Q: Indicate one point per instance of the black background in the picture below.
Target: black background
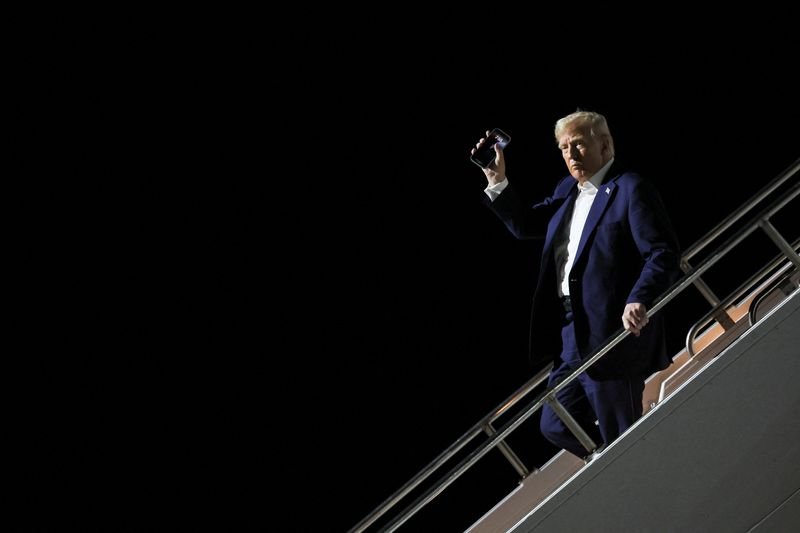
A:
(269, 292)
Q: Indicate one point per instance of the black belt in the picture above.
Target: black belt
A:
(567, 303)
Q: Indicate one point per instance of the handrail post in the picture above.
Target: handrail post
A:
(569, 421)
(506, 450)
(776, 237)
(720, 314)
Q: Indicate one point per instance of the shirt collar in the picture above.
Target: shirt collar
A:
(595, 181)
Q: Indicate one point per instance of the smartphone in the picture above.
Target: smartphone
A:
(484, 156)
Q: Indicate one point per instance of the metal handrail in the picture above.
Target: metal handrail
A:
(737, 214)
(707, 319)
(454, 448)
(785, 284)
(496, 437)
(721, 316)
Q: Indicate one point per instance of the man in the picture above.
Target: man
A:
(609, 252)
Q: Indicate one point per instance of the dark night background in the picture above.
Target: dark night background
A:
(271, 292)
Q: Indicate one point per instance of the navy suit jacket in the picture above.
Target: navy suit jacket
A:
(628, 253)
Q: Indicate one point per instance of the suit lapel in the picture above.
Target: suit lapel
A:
(558, 219)
(604, 194)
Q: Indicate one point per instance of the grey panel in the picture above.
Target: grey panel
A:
(719, 455)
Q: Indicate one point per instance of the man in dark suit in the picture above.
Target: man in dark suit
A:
(609, 252)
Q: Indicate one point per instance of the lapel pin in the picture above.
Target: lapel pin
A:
(608, 190)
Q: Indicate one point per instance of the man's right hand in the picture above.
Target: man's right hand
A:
(496, 172)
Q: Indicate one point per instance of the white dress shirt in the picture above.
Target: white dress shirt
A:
(583, 203)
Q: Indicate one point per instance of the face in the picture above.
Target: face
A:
(583, 154)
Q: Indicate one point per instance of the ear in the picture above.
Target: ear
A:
(606, 150)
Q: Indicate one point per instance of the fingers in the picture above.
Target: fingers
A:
(492, 162)
(481, 141)
(634, 318)
(632, 327)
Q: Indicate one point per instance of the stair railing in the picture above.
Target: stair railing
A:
(496, 438)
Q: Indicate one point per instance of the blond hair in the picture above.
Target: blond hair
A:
(597, 124)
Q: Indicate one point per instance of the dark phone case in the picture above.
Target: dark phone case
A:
(485, 156)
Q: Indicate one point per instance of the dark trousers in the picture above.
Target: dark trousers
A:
(615, 404)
